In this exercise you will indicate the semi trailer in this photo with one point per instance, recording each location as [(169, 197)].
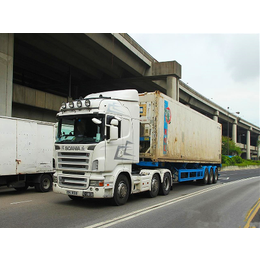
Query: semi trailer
[(116, 143), (26, 153)]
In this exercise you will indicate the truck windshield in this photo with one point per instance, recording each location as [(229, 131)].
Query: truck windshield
[(80, 129)]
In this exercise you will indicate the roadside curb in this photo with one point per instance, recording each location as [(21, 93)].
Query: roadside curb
[(235, 168)]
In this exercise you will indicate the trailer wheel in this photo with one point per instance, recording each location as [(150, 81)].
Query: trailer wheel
[(211, 176), (215, 179), (165, 186), (206, 176), (121, 192), (45, 184), (155, 186)]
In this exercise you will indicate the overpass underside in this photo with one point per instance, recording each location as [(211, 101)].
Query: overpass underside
[(39, 71)]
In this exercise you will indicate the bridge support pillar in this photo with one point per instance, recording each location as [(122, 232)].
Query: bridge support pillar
[(248, 157), (258, 148), (216, 115), (234, 132), (6, 73), (173, 87)]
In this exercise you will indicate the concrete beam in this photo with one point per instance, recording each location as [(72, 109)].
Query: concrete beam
[(114, 44), (36, 98), (6, 73), (165, 69)]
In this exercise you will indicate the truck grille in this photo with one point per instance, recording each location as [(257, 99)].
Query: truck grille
[(73, 182), (73, 167), (73, 161)]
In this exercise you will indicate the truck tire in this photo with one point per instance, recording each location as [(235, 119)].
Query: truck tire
[(45, 183), (215, 179), (155, 186), (211, 176), (165, 186), (122, 190), (206, 176)]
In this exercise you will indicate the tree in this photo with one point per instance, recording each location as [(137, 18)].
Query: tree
[(229, 147)]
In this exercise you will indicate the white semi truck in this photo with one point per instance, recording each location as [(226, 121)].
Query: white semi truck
[(113, 144), (26, 153)]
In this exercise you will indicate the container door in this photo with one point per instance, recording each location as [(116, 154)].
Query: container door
[(26, 147), (45, 144)]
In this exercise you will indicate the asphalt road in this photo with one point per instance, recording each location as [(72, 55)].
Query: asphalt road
[(231, 203)]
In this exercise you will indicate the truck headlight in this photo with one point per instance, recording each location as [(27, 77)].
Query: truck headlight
[(95, 165), (63, 105), (96, 183), (79, 103), (71, 104)]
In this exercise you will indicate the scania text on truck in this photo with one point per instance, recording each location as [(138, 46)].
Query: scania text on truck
[(116, 143), (26, 153)]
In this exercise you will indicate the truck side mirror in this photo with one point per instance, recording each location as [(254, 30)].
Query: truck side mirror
[(114, 122), (113, 132)]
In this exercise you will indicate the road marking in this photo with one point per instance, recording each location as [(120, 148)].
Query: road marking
[(18, 202), (136, 213), (251, 213), (224, 178)]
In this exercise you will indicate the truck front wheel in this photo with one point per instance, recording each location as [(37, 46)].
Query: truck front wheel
[(45, 183), (122, 189)]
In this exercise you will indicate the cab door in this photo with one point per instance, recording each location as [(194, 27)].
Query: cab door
[(119, 150)]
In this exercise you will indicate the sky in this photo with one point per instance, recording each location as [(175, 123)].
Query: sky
[(223, 67)]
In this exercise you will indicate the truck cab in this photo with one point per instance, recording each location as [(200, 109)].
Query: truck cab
[(97, 141)]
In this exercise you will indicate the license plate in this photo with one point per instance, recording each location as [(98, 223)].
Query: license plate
[(71, 192)]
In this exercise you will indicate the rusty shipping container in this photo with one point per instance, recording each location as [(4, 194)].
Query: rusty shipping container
[(173, 132)]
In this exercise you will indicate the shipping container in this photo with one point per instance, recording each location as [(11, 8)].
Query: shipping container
[(173, 132)]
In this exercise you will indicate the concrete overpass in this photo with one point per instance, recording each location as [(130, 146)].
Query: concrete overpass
[(39, 71)]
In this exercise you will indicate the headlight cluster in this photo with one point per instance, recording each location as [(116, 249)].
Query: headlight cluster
[(78, 104), (96, 183)]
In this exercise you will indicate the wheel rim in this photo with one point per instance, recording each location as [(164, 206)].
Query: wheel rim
[(46, 183), (122, 190), (155, 184)]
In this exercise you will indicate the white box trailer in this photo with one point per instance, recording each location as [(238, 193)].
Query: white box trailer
[(173, 132), (26, 150)]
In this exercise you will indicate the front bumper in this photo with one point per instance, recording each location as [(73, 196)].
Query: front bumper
[(90, 192)]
